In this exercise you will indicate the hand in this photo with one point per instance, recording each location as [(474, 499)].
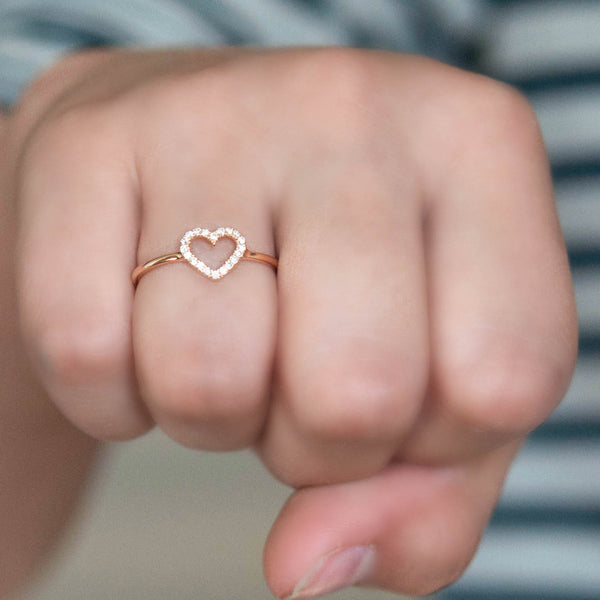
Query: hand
[(422, 319)]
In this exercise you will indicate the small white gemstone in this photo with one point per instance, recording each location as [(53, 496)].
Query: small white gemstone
[(213, 237)]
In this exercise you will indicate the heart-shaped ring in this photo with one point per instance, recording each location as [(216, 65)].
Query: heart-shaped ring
[(240, 252)]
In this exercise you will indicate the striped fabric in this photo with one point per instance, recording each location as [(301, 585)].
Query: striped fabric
[(34, 33), (544, 540)]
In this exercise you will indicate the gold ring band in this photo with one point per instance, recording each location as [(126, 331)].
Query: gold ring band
[(185, 254)]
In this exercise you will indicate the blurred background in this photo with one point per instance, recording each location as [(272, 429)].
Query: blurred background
[(161, 521), (165, 522)]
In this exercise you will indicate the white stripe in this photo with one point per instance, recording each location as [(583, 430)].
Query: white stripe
[(462, 18), (587, 294), (570, 121), (273, 22), (384, 20), (152, 22), (563, 473), (547, 560), (578, 205), (548, 36), (29, 50), (582, 401)]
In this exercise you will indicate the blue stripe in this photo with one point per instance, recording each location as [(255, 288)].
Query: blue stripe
[(540, 82), (576, 169), (584, 258), (541, 516), (589, 345), (569, 431)]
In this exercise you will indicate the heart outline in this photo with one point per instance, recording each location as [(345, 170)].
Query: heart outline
[(213, 237)]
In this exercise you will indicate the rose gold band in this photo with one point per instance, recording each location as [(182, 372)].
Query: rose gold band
[(141, 270), (185, 254)]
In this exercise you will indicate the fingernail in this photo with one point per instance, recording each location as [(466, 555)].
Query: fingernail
[(334, 571)]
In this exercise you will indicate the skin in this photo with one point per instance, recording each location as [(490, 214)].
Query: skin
[(44, 459), (421, 323)]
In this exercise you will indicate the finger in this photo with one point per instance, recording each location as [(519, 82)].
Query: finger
[(352, 356), (502, 311), (204, 348), (77, 246), (409, 529), (47, 88)]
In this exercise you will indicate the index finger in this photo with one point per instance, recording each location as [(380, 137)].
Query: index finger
[(77, 243)]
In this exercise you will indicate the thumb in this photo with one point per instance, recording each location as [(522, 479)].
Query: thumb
[(410, 529)]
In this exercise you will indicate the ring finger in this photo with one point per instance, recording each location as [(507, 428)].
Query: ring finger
[(204, 348)]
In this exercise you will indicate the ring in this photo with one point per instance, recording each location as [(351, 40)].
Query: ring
[(185, 253)]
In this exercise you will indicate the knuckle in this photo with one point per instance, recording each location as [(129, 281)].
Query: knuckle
[(475, 119), (514, 118), (502, 385), (510, 105), (49, 87), (106, 421), (338, 70), (82, 352), (65, 138), (204, 392), (214, 89), (494, 113), (354, 402), (171, 119), (344, 91)]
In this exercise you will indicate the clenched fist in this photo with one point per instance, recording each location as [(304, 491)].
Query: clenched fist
[(420, 324)]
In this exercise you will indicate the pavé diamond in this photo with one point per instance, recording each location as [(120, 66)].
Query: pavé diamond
[(213, 237)]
